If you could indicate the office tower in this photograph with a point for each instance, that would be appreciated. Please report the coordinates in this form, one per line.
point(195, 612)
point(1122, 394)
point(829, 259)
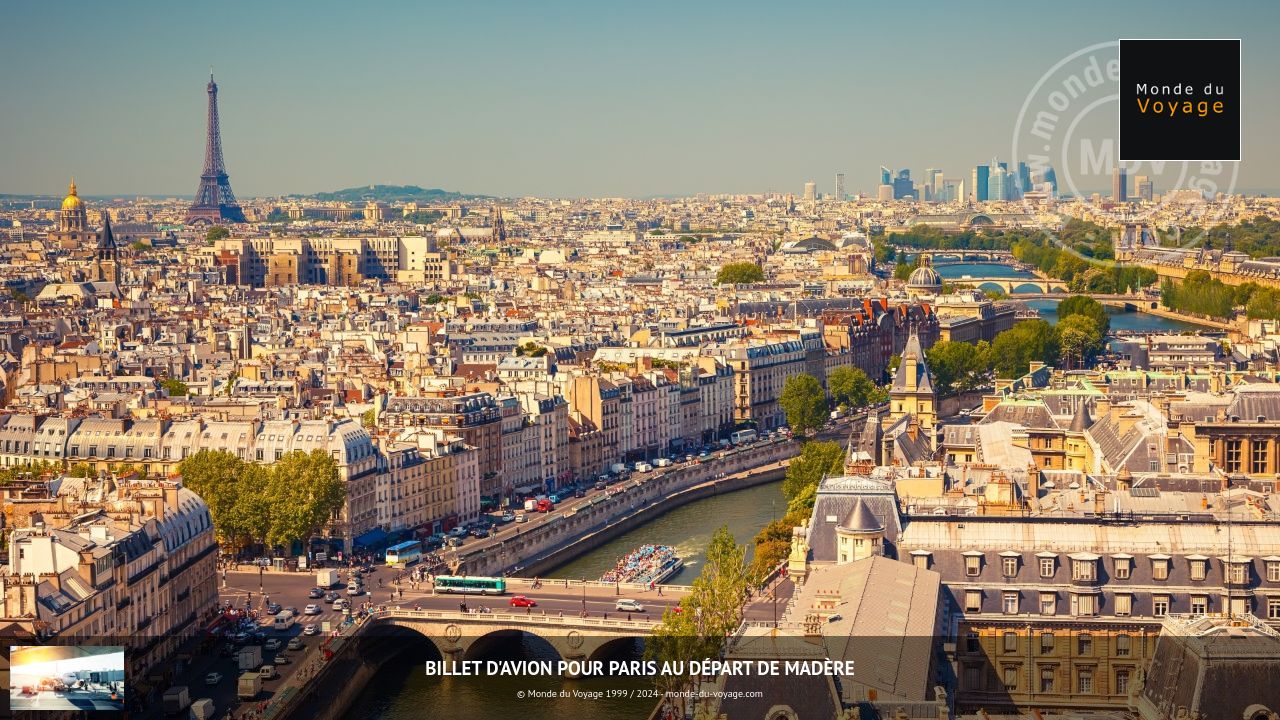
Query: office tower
point(810, 191)
point(938, 184)
point(884, 193)
point(1051, 177)
point(839, 186)
point(1024, 178)
point(1143, 188)
point(980, 180)
point(998, 184)
point(902, 185)
point(1119, 189)
point(886, 177)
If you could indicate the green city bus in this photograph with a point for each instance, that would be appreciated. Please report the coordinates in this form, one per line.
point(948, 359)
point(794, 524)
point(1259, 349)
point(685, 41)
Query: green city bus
point(471, 585)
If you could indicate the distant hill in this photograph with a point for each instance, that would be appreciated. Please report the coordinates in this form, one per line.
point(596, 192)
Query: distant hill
point(393, 193)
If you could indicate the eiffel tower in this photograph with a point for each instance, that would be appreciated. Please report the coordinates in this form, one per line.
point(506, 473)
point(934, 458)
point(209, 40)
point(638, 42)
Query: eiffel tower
point(214, 200)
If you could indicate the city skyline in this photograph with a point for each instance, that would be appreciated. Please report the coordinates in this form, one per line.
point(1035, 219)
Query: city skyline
point(511, 101)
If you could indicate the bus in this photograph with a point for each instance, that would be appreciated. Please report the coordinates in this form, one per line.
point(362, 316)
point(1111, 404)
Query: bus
point(406, 553)
point(471, 585)
point(743, 436)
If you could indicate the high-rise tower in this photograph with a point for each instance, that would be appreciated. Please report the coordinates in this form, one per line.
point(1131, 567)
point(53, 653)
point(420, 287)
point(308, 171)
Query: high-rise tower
point(214, 200)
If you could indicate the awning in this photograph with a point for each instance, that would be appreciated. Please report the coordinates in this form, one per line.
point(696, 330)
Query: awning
point(371, 538)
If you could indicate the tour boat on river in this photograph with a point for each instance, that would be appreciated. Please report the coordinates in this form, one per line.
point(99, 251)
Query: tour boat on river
point(646, 564)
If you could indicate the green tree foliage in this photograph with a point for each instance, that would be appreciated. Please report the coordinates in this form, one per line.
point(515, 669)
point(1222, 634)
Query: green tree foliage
point(902, 271)
point(711, 611)
point(1259, 237)
point(217, 232)
point(816, 460)
point(741, 273)
point(805, 403)
point(175, 387)
point(1014, 349)
point(1200, 293)
point(81, 470)
point(276, 504)
point(531, 349)
point(434, 299)
point(368, 419)
point(958, 365)
point(851, 388)
point(1087, 306)
point(1080, 339)
point(773, 544)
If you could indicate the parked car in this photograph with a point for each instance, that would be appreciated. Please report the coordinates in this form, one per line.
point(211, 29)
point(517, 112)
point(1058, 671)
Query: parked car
point(520, 518)
point(508, 517)
point(213, 678)
point(522, 601)
point(273, 608)
point(628, 605)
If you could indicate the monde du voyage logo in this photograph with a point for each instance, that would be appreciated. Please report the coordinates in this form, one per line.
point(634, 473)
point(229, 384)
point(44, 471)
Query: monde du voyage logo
point(1180, 100)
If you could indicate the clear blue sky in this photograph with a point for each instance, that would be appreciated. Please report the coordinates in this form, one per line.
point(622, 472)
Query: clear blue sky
point(558, 98)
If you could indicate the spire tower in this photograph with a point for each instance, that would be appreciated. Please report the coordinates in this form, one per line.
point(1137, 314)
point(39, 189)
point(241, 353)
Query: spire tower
point(214, 201)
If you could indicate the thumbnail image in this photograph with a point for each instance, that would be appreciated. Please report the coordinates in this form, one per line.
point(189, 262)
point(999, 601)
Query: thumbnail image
point(66, 678)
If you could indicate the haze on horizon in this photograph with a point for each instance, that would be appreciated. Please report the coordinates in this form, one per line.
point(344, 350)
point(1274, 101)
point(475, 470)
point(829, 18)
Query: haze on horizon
point(566, 99)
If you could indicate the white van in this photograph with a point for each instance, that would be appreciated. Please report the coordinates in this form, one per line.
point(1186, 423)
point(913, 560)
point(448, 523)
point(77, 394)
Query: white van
point(354, 588)
point(284, 620)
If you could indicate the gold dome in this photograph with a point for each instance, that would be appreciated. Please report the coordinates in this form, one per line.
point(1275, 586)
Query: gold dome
point(72, 201)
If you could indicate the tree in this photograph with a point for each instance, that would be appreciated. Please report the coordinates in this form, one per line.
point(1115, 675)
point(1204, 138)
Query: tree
point(957, 365)
point(742, 273)
point(175, 387)
point(1088, 307)
point(711, 612)
point(850, 387)
point(1079, 338)
point(215, 233)
point(773, 544)
point(1015, 348)
point(304, 491)
point(222, 480)
point(434, 299)
point(804, 402)
point(815, 461)
point(369, 418)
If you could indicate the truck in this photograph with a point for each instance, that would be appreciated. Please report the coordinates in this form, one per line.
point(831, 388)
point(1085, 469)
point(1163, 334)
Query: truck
point(326, 578)
point(249, 686)
point(617, 468)
point(249, 657)
point(643, 467)
point(176, 700)
point(663, 462)
point(530, 505)
point(544, 505)
point(202, 709)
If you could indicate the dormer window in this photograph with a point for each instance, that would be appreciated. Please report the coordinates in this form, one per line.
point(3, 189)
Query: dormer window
point(972, 563)
point(1084, 567)
point(1199, 566)
point(1009, 564)
point(1160, 567)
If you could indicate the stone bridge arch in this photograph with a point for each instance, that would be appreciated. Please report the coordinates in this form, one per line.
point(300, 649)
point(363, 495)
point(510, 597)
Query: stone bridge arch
point(459, 636)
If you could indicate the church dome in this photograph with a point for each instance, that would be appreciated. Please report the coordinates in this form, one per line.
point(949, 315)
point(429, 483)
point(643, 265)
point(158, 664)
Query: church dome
point(925, 277)
point(72, 200)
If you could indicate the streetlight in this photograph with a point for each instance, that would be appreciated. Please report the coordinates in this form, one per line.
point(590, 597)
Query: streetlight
point(584, 597)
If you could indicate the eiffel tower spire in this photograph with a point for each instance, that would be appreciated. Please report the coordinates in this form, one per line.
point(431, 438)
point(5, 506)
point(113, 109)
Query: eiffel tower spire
point(214, 200)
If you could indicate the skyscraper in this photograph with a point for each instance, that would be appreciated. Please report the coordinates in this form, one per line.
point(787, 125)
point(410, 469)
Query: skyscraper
point(1051, 177)
point(1119, 185)
point(886, 177)
point(902, 185)
point(998, 184)
point(810, 191)
point(1143, 188)
point(839, 186)
point(1024, 177)
point(981, 178)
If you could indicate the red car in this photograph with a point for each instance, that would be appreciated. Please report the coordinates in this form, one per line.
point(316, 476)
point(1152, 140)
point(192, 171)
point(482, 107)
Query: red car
point(522, 601)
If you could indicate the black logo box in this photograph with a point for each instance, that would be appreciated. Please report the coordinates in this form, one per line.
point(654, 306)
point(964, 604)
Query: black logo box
point(1185, 64)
